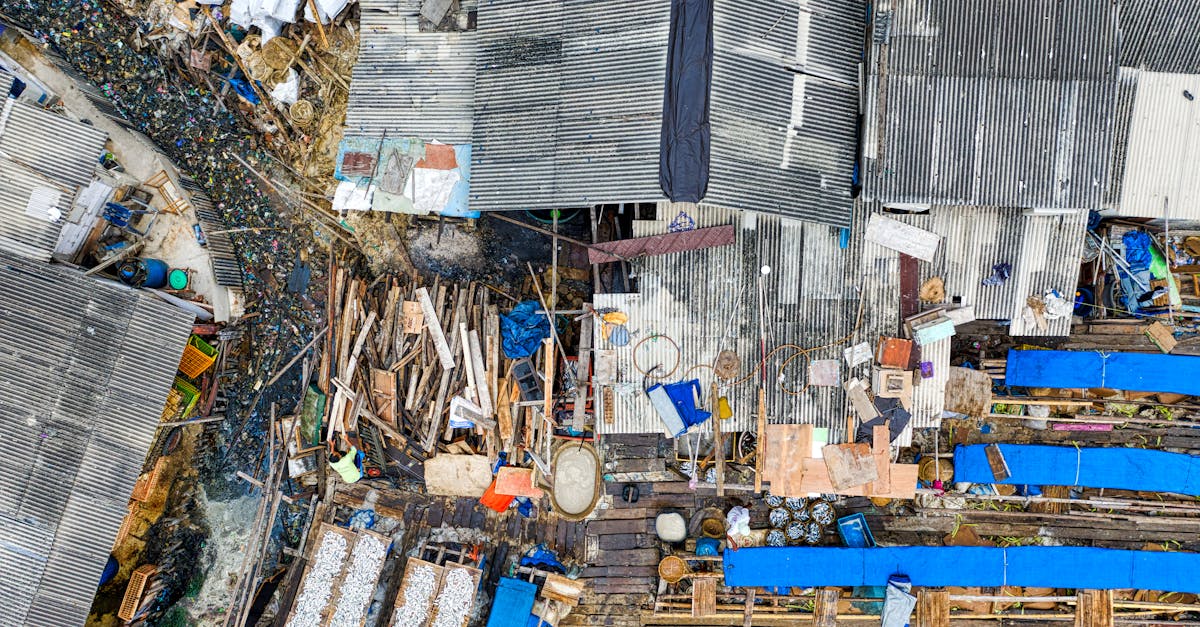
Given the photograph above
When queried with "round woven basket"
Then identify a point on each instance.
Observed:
(926, 471)
(672, 569)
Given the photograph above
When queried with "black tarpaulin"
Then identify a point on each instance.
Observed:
(686, 136)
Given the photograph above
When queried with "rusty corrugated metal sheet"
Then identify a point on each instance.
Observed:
(664, 244)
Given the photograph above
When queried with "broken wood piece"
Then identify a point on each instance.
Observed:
(968, 392)
(786, 449)
(849, 465)
(475, 363)
(1162, 337)
(445, 356)
(414, 317)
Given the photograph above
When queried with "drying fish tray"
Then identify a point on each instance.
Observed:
(409, 574)
(475, 574)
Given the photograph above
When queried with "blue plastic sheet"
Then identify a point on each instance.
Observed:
(1142, 372)
(513, 603)
(686, 134)
(523, 329)
(1039, 566)
(1137, 251)
(1121, 468)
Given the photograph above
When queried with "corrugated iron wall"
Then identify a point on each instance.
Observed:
(707, 301)
(85, 367)
(1161, 35)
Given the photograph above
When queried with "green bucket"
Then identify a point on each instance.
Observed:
(178, 279)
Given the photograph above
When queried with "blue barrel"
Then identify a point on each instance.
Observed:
(144, 272)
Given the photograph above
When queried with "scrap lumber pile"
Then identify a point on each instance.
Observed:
(423, 365)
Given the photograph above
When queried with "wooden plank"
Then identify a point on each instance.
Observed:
(704, 597)
(748, 612)
(414, 317)
(882, 451)
(910, 286)
(787, 447)
(445, 356)
(816, 481)
(760, 440)
(383, 394)
(481, 376)
(563, 590)
(903, 238)
(849, 465)
(825, 607)
(968, 392)
(997, 463)
(933, 608)
(458, 475)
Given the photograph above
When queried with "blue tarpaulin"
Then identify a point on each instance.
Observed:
(1121, 468)
(1140, 372)
(523, 329)
(513, 603)
(1038, 566)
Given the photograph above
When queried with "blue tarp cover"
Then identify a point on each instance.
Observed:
(1039, 566)
(523, 329)
(1121, 468)
(513, 603)
(1140, 372)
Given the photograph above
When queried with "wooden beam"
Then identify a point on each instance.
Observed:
(445, 356)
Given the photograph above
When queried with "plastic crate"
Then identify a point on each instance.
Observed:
(198, 356)
(133, 592)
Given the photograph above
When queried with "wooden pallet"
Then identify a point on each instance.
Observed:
(133, 592)
(327, 611)
(476, 576)
(409, 570)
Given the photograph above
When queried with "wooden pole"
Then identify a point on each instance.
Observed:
(760, 442)
(718, 441)
(312, 6)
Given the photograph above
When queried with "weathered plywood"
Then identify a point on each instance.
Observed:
(849, 465)
(904, 238)
(968, 392)
(933, 608)
(704, 597)
(815, 480)
(458, 475)
(787, 447)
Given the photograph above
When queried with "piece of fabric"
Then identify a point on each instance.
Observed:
(1142, 372)
(523, 329)
(686, 135)
(898, 602)
(347, 466)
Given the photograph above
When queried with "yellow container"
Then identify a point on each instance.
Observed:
(723, 409)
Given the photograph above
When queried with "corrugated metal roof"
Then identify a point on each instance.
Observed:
(26, 228)
(407, 82)
(707, 300)
(1153, 174)
(85, 367)
(785, 107)
(1045, 253)
(569, 99)
(569, 103)
(1161, 35)
(226, 264)
(991, 104)
(58, 147)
